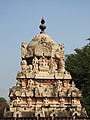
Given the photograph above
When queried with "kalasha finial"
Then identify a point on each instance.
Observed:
(42, 26)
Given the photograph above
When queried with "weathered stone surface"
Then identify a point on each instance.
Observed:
(43, 85)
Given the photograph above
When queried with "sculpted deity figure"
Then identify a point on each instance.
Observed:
(30, 68)
(61, 65)
(30, 84)
(76, 102)
(48, 91)
(75, 91)
(61, 48)
(43, 64)
(45, 102)
(36, 88)
(62, 101)
(23, 83)
(65, 88)
(52, 65)
(18, 100)
(24, 72)
(36, 84)
(35, 64)
(17, 93)
(15, 102)
(23, 64)
(59, 85)
(29, 100)
(41, 90)
(55, 93)
(65, 85)
(23, 49)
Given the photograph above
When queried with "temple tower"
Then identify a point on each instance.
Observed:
(43, 85)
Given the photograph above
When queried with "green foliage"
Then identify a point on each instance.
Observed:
(3, 105)
(3, 100)
(78, 64)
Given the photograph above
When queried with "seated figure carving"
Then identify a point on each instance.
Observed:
(43, 64)
(73, 91)
(24, 73)
(23, 64)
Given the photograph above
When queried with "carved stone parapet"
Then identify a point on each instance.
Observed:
(43, 75)
(67, 75)
(59, 75)
(23, 74)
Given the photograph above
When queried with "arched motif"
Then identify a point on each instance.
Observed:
(42, 50)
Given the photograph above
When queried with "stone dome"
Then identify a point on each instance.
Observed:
(41, 44)
(41, 38)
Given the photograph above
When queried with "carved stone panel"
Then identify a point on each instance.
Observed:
(42, 50)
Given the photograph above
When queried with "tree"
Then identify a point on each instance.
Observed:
(78, 64)
(3, 105)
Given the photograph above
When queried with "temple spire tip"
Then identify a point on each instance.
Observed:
(42, 26)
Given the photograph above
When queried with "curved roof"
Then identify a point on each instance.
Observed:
(42, 44)
(39, 39)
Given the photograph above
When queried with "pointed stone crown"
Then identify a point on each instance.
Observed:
(42, 26)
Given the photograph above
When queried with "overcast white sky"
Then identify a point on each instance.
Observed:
(67, 21)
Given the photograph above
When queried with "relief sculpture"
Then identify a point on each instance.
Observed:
(43, 85)
(43, 64)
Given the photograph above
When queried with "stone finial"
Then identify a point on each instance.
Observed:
(42, 26)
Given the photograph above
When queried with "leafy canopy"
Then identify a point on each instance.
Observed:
(78, 64)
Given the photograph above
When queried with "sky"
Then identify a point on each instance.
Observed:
(67, 21)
